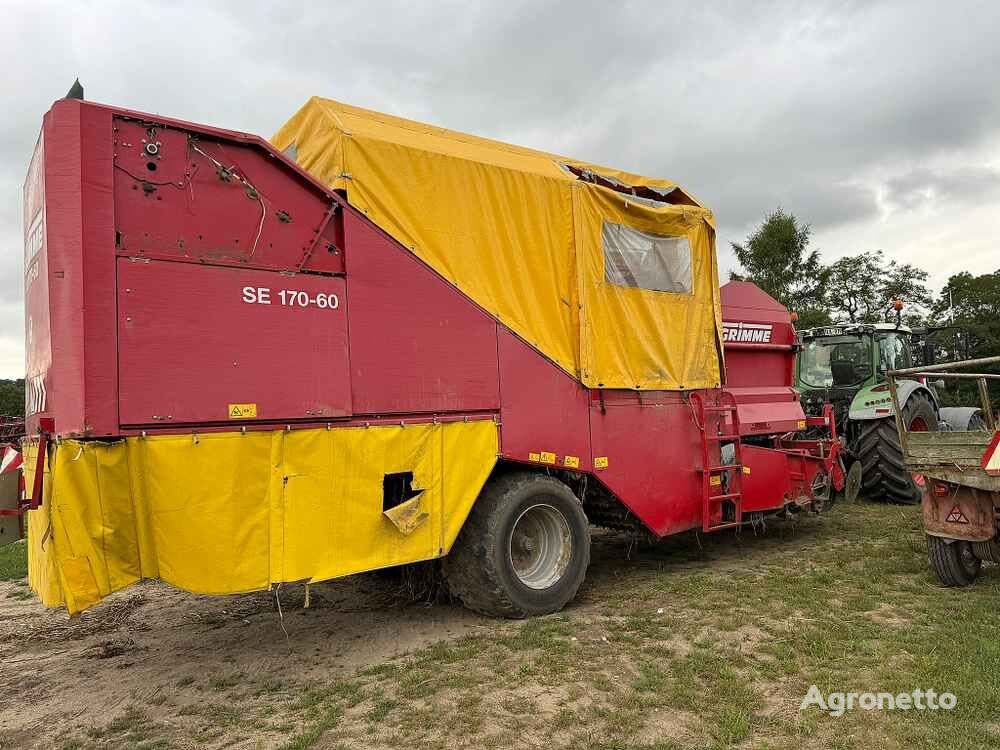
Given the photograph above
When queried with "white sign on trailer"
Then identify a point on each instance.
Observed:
(991, 458)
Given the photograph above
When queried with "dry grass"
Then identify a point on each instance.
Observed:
(684, 644)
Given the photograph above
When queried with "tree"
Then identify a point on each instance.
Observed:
(862, 287)
(972, 305)
(12, 398)
(776, 257)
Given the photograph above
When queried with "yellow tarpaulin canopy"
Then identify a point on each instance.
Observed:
(610, 275)
(223, 513)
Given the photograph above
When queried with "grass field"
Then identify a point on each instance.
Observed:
(707, 643)
(13, 561)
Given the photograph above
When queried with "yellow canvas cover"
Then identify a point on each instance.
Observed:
(223, 513)
(525, 234)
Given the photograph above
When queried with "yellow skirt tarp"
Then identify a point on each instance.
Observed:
(224, 513)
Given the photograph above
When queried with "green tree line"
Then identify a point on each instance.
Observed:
(12, 398)
(861, 288)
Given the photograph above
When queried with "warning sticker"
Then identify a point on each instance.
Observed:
(547, 458)
(956, 515)
(571, 462)
(801, 424)
(242, 411)
(601, 462)
(715, 480)
(746, 469)
(534, 457)
(991, 458)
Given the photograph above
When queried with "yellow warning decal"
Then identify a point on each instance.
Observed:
(571, 462)
(243, 411)
(601, 462)
(547, 458)
(802, 424)
(534, 457)
(715, 481)
(746, 469)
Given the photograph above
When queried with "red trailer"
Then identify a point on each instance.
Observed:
(242, 373)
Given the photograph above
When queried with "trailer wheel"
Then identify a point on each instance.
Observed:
(884, 475)
(852, 487)
(954, 563)
(524, 549)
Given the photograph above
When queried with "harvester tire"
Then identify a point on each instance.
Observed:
(884, 475)
(954, 563)
(523, 551)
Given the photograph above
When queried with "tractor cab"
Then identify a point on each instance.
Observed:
(838, 363)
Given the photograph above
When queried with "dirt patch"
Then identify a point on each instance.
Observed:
(697, 641)
(151, 641)
(743, 639)
(667, 726)
(888, 615)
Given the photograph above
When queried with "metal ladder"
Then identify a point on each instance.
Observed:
(715, 492)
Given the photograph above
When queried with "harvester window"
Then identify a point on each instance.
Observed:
(644, 260)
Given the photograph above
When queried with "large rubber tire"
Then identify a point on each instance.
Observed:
(953, 562)
(480, 569)
(884, 476)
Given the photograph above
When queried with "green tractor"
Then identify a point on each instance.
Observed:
(845, 365)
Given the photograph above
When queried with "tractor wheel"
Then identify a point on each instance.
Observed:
(884, 475)
(524, 550)
(954, 562)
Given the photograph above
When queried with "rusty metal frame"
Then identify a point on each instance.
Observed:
(34, 501)
(945, 371)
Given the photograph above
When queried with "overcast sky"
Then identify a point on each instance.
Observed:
(877, 123)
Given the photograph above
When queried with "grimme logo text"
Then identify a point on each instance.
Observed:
(755, 333)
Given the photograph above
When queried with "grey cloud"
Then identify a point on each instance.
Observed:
(920, 186)
(748, 105)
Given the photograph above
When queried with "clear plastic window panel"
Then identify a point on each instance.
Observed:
(643, 260)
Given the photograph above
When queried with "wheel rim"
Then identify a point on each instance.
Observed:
(918, 425)
(821, 489)
(540, 546)
(967, 558)
(853, 484)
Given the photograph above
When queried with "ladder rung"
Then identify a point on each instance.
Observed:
(726, 467)
(720, 408)
(722, 437)
(727, 496)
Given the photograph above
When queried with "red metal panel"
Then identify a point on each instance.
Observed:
(54, 283)
(653, 452)
(765, 410)
(98, 236)
(417, 344)
(759, 337)
(768, 485)
(218, 202)
(543, 410)
(760, 360)
(194, 339)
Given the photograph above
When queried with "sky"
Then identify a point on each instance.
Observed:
(877, 123)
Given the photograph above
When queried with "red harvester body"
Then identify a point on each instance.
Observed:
(218, 287)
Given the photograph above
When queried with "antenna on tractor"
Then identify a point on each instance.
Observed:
(75, 91)
(897, 305)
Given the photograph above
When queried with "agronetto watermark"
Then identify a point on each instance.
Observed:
(837, 704)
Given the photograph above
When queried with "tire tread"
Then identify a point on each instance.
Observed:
(469, 568)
